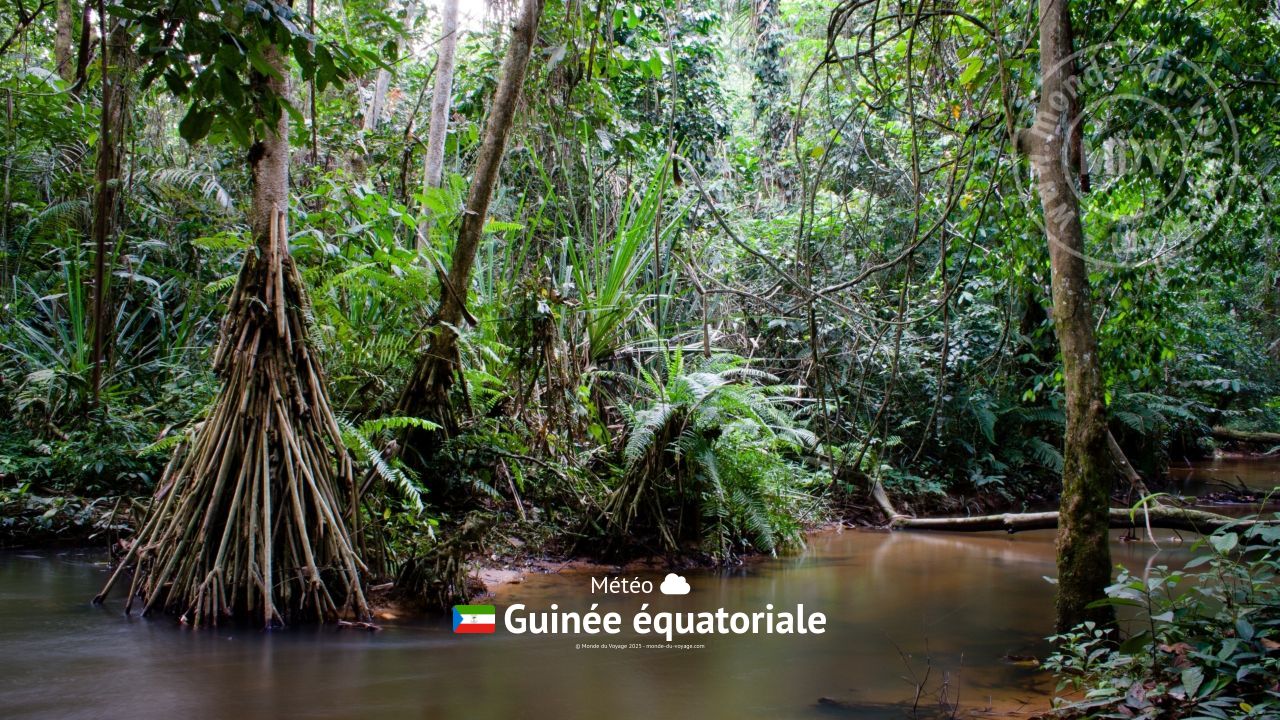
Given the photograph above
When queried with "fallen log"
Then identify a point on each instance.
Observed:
(1150, 516)
(1243, 436)
(1167, 518)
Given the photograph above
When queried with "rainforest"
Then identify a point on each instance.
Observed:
(953, 322)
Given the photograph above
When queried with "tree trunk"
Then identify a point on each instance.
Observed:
(382, 82)
(442, 95)
(84, 49)
(116, 57)
(1084, 557)
(64, 25)
(1151, 515)
(1136, 485)
(248, 520)
(427, 393)
(441, 100)
(269, 164)
(373, 111)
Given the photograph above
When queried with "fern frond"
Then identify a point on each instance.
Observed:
(361, 445)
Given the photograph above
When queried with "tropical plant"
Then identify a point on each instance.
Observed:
(1203, 643)
(711, 458)
(610, 272)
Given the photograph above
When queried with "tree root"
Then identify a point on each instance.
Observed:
(248, 519)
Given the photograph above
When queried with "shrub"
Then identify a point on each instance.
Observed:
(1208, 644)
(710, 458)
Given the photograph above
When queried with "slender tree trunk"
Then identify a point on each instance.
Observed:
(1084, 556)
(441, 100)
(64, 25)
(269, 164)
(382, 83)
(116, 60)
(84, 48)
(442, 95)
(427, 394)
(373, 111)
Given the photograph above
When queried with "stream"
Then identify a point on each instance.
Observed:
(945, 610)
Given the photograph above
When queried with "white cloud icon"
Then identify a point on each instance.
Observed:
(674, 584)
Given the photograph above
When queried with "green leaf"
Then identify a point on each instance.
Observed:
(494, 226)
(229, 83)
(437, 200)
(972, 66)
(1197, 561)
(1192, 679)
(259, 63)
(1224, 543)
(1135, 643)
(175, 83)
(195, 124)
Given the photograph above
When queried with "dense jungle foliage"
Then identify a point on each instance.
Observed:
(743, 262)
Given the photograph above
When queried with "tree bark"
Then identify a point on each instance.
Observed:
(269, 162)
(84, 49)
(64, 25)
(373, 111)
(1084, 557)
(116, 57)
(427, 393)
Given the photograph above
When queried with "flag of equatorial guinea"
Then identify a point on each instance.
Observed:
(474, 618)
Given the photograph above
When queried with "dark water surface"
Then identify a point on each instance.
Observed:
(1230, 471)
(896, 605)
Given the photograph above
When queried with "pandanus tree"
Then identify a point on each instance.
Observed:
(254, 517)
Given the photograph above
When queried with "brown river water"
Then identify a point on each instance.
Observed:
(901, 608)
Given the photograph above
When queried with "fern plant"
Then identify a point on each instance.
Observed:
(708, 460)
(363, 441)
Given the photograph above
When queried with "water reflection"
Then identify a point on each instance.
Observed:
(899, 606)
(1226, 471)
